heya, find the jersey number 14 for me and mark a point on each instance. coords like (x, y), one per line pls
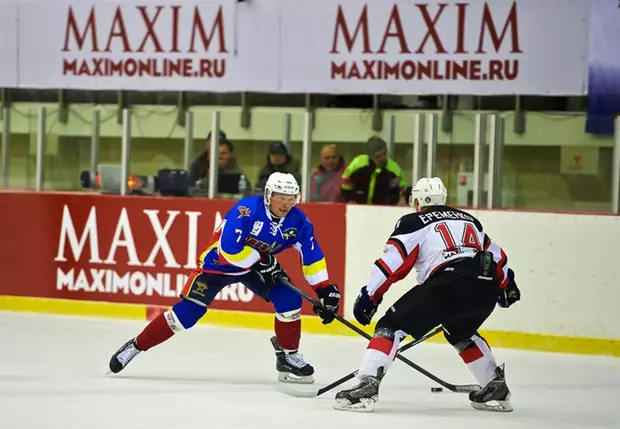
(469, 239)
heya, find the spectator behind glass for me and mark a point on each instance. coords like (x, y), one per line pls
(327, 178)
(373, 177)
(227, 165)
(278, 160)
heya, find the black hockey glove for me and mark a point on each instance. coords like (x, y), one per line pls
(329, 297)
(269, 269)
(511, 294)
(364, 308)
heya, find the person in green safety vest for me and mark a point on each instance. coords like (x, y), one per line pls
(373, 177)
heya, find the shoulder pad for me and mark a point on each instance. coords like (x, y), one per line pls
(408, 223)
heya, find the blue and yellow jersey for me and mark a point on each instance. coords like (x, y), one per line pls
(246, 232)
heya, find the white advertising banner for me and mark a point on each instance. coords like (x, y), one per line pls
(434, 46)
(8, 44)
(298, 46)
(142, 45)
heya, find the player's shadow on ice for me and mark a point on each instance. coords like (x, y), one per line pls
(424, 409)
(200, 379)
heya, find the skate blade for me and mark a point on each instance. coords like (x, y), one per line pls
(365, 405)
(287, 377)
(497, 406)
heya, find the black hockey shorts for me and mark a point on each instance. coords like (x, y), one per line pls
(202, 288)
(457, 301)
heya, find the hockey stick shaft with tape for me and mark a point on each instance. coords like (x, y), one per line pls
(463, 388)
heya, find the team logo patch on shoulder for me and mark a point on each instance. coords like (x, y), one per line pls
(243, 212)
(289, 233)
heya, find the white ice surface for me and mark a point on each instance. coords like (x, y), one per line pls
(52, 375)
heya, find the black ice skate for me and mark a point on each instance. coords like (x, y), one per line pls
(361, 398)
(291, 366)
(496, 391)
(123, 356)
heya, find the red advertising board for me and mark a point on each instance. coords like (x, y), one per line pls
(132, 249)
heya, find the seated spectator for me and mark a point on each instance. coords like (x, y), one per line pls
(373, 177)
(278, 160)
(327, 178)
(229, 173)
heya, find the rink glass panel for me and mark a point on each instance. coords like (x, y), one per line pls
(535, 173)
(564, 172)
(455, 159)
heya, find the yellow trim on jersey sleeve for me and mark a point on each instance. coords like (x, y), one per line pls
(312, 269)
(246, 253)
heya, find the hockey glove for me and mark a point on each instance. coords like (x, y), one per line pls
(364, 308)
(329, 297)
(511, 294)
(269, 269)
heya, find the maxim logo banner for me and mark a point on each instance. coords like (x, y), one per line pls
(433, 46)
(326, 46)
(131, 249)
(73, 242)
(354, 37)
(147, 40)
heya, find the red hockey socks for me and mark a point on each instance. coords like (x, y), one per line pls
(155, 333)
(479, 358)
(287, 327)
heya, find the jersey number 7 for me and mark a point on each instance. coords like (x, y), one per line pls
(469, 239)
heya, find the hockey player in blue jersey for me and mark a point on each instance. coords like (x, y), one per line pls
(243, 249)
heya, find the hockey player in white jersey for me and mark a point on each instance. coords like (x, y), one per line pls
(462, 274)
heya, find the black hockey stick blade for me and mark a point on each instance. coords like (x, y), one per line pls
(313, 393)
(464, 388)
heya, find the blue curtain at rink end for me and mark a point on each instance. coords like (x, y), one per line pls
(604, 65)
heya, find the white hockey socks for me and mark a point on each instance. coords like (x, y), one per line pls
(479, 358)
(381, 352)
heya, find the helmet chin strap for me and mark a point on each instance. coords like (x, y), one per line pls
(272, 217)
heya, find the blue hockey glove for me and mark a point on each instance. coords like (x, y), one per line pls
(329, 297)
(511, 294)
(364, 308)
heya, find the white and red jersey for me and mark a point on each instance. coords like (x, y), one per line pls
(429, 240)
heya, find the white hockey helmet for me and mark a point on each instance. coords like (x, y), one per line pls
(281, 183)
(429, 192)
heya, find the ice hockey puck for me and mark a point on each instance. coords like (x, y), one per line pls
(436, 389)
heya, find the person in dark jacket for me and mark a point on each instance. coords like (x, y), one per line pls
(278, 160)
(227, 165)
(373, 177)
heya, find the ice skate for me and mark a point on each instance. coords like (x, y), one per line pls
(291, 366)
(496, 392)
(123, 356)
(361, 398)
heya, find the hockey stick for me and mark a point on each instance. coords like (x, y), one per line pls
(459, 388)
(317, 392)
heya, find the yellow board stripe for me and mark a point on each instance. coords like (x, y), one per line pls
(311, 324)
(72, 307)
